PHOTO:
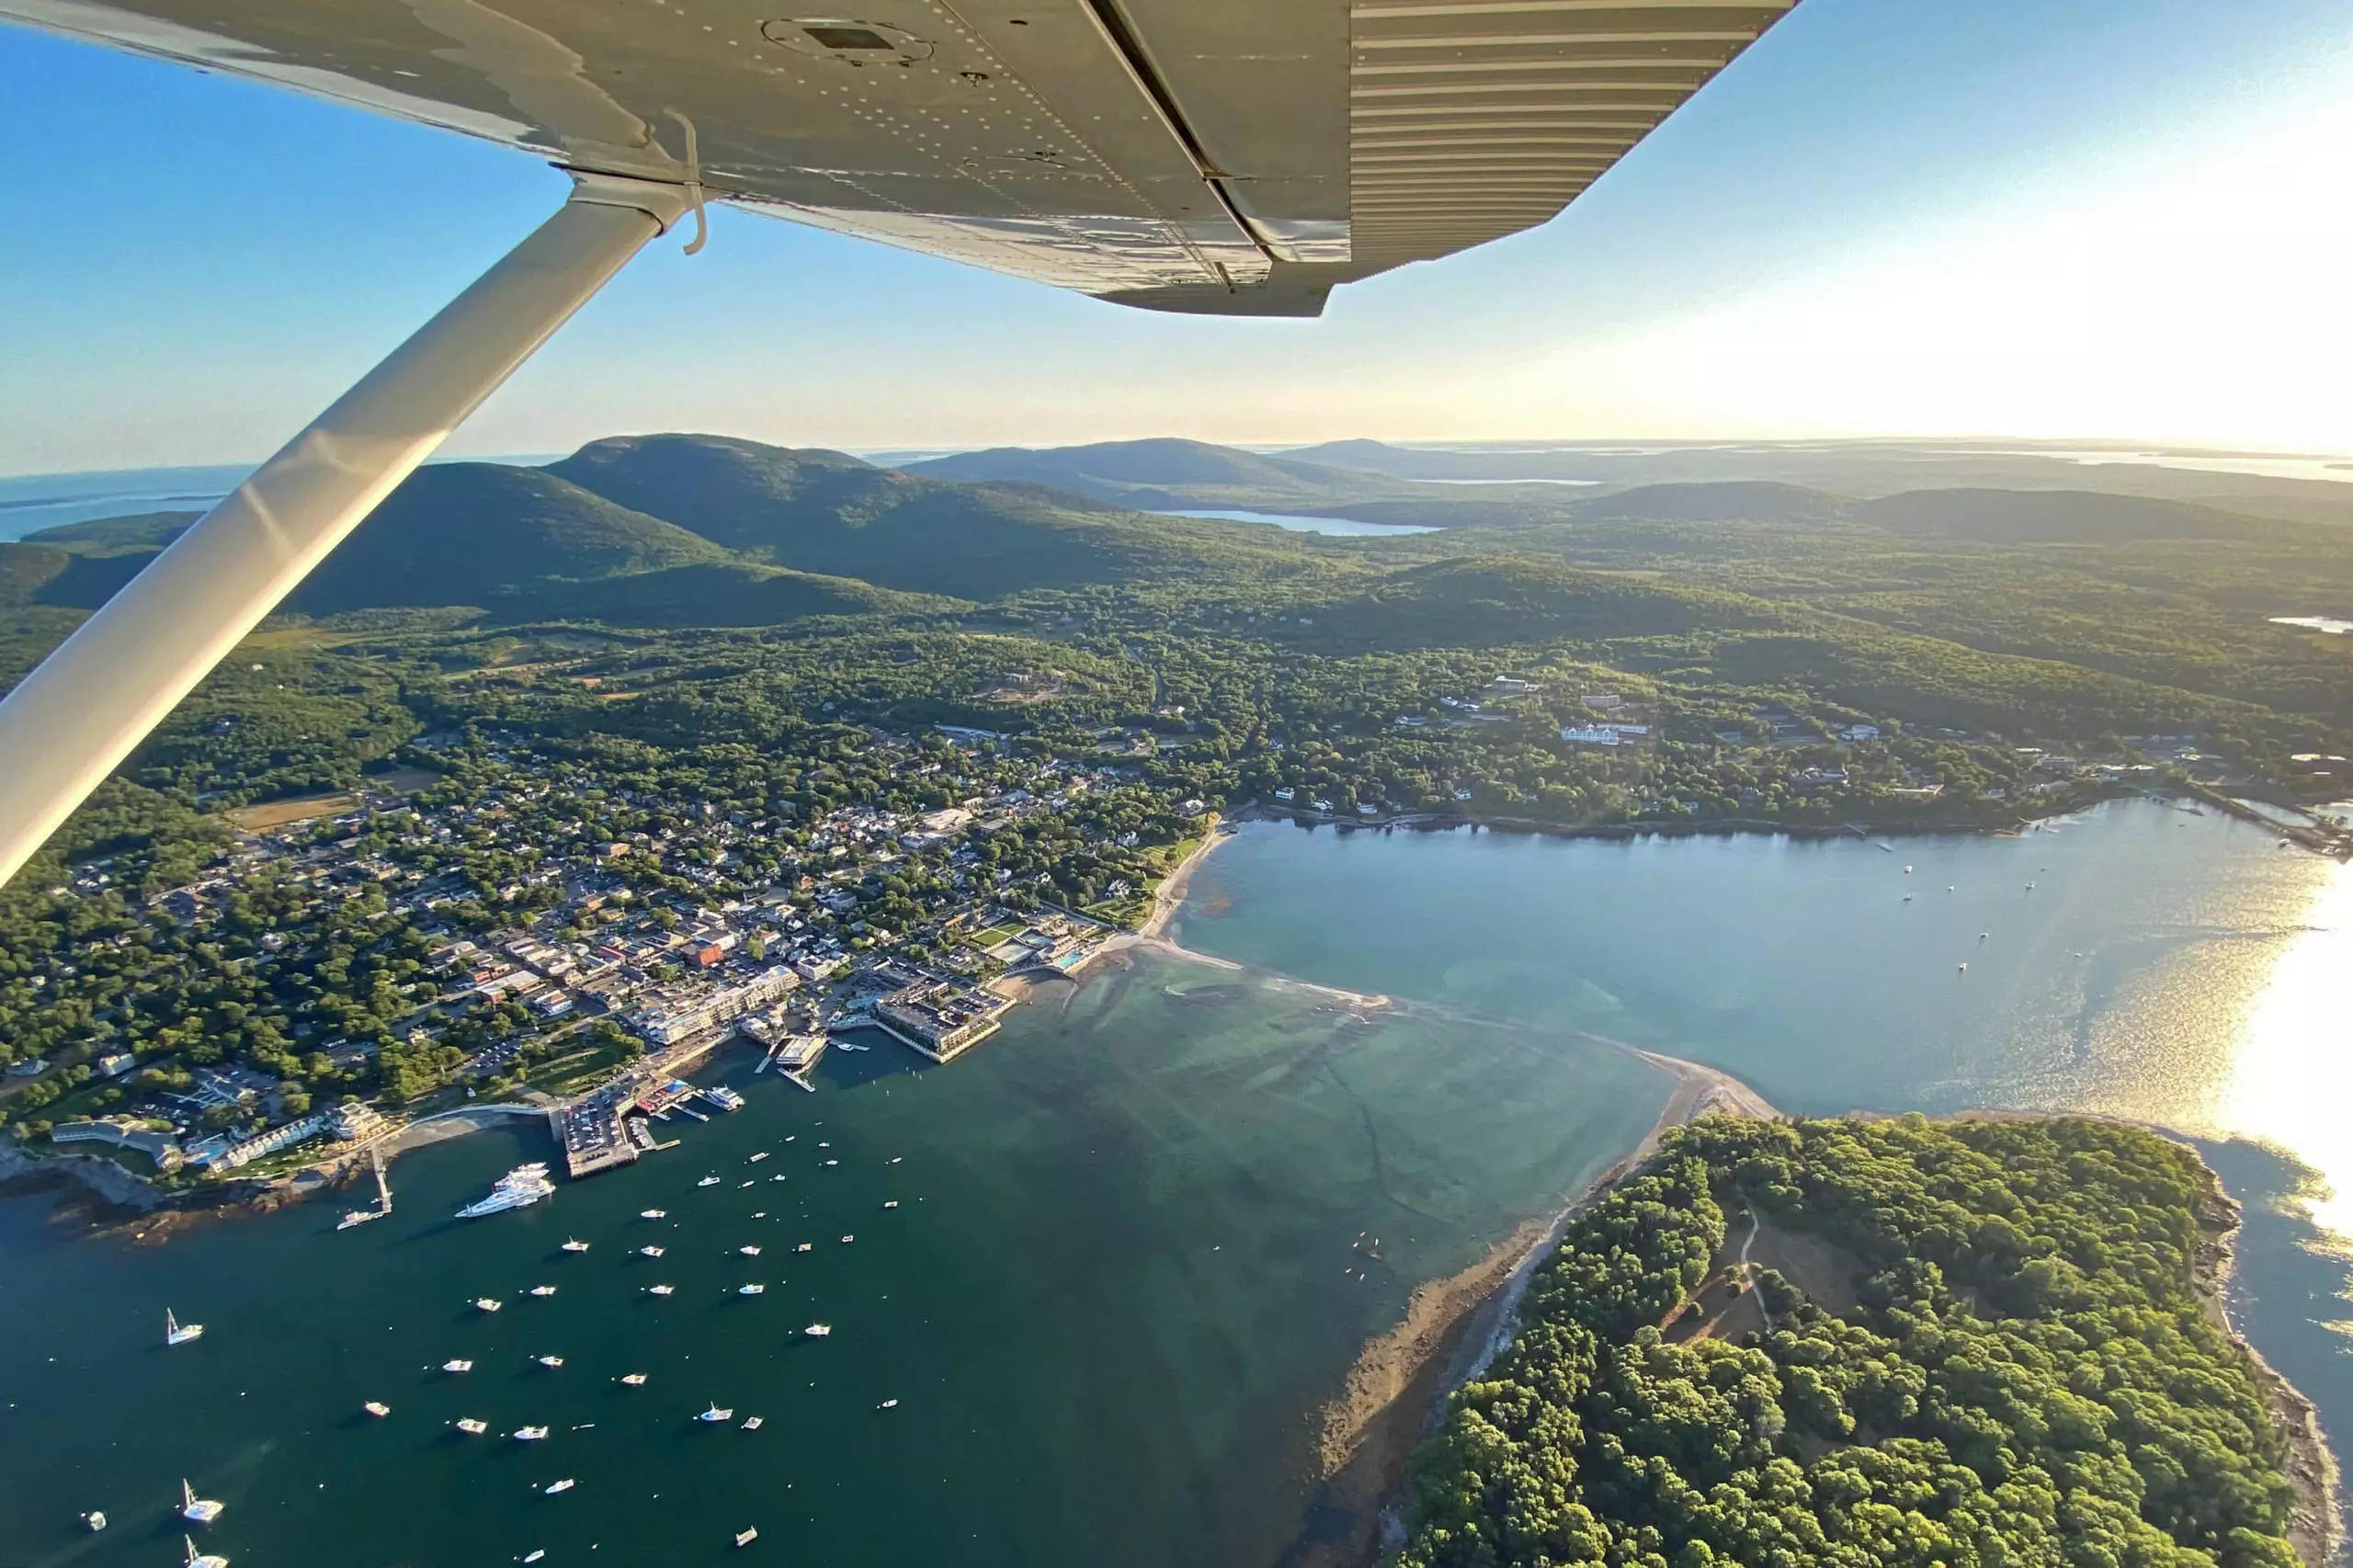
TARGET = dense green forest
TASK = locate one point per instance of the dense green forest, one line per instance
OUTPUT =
(2025, 1372)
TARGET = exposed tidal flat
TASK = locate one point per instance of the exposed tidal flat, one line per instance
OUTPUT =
(1141, 1238)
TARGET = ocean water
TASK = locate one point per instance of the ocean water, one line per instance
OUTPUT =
(1123, 1273)
(2139, 961)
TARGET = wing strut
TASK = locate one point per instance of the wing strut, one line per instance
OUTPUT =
(70, 722)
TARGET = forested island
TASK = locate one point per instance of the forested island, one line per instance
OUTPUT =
(536, 741)
(1881, 1343)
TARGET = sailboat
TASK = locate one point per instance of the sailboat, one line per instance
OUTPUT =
(178, 1332)
(203, 1559)
(197, 1510)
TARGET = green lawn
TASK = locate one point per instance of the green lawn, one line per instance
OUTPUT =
(576, 1071)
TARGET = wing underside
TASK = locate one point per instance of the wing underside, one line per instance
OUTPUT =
(1220, 156)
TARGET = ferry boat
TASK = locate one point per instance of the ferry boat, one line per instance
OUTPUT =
(714, 1416)
(753, 1423)
(818, 1330)
(549, 1360)
(724, 1099)
(553, 1487)
(707, 1181)
(653, 1213)
(471, 1426)
(649, 1251)
(519, 1188)
(576, 1245)
(750, 1289)
(659, 1290)
(377, 1408)
(634, 1380)
(542, 1290)
(178, 1332)
(487, 1303)
(530, 1433)
(203, 1559)
(197, 1510)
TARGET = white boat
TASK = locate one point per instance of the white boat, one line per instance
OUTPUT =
(891, 1203)
(752, 1423)
(634, 1380)
(653, 1213)
(749, 1251)
(806, 1246)
(746, 1536)
(649, 1252)
(714, 1416)
(377, 1408)
(197, 1510)
(203, 1559)
(740, 1185)
(848, 1239)
(472, 1427)
(519, 1188)
(530, 1433)
(488, 1303)
(535, 1555)
(750, 1289)
(832, 1162)
(549, 1360)
(757, 1158)
(707, 1181)
(95, 1519)
(895, 1159)
(818, 1330)
(178, 1332)
(659, 1290)
(358, 1217)
(553, 1487)
(542, 1290)
(576, 1246)
(458, 1366)
(846, 1045)
(888, 1404)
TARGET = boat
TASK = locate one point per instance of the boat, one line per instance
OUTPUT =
(519, 1188)
(576, 1246)
(659, 1290)
(707, 1181)
(530, 1433)
(806, 1246)
(542, 1290)
(724, 1099)
(649, 1251)
(776, 1178)
(549, 1360)
(752, 1423)
(203, 1559)
(458, 1366)
(653, 1213)
(818, 1330)
(714, 1416)
(832, 1162)
(848, 1239)
(553, 1487)
(750, 1289)
(358, 1217)
(848, 1045)
(488, 1303)
(535, 1555)
(95, 1519)
(178, 1332)
(891, 1203)
(634, 1380)
(197, 1510)
(377, 1408)
(746, 1536)
(757, 1158)
(894, 1159)
(472, 1427)
(749, 1251)
(888, 1404)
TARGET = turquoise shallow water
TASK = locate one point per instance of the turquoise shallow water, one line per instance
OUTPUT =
(1122, 1275)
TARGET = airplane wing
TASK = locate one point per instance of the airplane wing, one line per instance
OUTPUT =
(1217, 156)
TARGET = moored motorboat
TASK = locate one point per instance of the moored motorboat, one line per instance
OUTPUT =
(749, 1289)
(574, 1244)
(660, 1289)
(473, 1425)
(749, 1251)
(818, 1330)
(549, 1360)
(649, 1252)
(519, 1188)
(653, 1213)
(530, 1433)
(715, 1415)
(753, 1423)
(634, 1380)
(542, 1290)
(707, 1181)
(488, 1303)
(553, 1487)
(377, 1408)
(746, 1536)
(458, 1365)
(95, 1519)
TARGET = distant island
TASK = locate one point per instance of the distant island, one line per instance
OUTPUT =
(547, 769)
(1975, 1342)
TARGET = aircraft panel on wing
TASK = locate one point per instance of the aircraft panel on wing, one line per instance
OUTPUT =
(1224, 156)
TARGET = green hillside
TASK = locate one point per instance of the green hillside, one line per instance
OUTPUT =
(1729, 500)
(729, 593)
(143, 530)
(45, 574)
(826, 513)
(2051, 517)
(1489, 600)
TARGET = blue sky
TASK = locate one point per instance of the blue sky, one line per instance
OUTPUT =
(2099, 217)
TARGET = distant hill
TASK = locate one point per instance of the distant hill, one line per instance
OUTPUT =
(826, 513)
(144, 530)
(1484, 600)
(1729, 500)
(2050, 516)
(1142, 472)
(34, 575)
(718, 594)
